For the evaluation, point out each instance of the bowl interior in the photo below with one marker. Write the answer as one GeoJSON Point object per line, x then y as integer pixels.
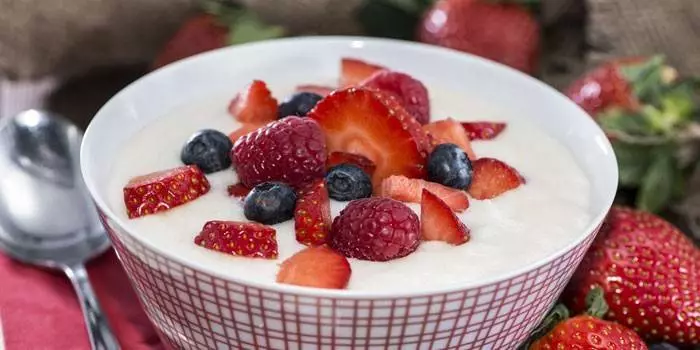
{"type": "Point", "coordinates": [491, 88]}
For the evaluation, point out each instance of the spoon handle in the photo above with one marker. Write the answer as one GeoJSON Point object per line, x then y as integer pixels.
{"type": "Point", "coordinates": [101, 336]}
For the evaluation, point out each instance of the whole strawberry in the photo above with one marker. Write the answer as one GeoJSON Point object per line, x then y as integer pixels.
{"type": "Point", "coordinates": [613, 84]}
{"type": "Point", "coordinates": [291, 150]}
{"type": "Point", "coordinates": [506, 33]}
{"type": "Point", "coordinates": [218, 26]}
{"type": "Point", "coordinates": [585, 331]}
{"type": "Point", "coordinates": [650, 273]}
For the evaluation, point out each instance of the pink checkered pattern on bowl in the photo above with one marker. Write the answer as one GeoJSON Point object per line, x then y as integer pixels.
{"type": "Point", "coordinates": [195, 310]}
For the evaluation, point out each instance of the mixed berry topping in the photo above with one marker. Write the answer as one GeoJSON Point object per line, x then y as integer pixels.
{"type": "Point", "coordinates": [369, 143]}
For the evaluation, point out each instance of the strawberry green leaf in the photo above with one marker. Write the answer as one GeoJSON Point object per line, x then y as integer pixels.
{"type": "Point", "coordinates": [617, 120]}
{"type": "Point", "coordinates": [646, 78]}
{"type": "Point", "coordinates": [248, 28]}
{"type": "Point", "coordinates": [658, 184]}
{"type": "Point", "coordinates": [632, 161]}
{"type": "Point", "coordinates": [557, 314]}
{"type": "Point", "coordinates": [595, 303]}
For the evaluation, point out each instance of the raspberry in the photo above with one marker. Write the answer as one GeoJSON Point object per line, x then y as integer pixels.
{"type": "Point", "coordinates": [291, 150]}
{"type": "Point", "coordinates": [375, 229]}
{"type": "Point", "coordinates": [411, 93]}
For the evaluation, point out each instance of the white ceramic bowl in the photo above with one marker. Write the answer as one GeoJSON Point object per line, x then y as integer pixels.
{"type": "Point", "coordinates": [194, 308]}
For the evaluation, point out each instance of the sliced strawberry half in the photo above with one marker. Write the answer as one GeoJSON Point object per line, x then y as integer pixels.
{"type": "Point", "coordinates": [247, 239]}
{"type": "Point", "coordinates": [316, 89]}
{"type": "Point", "coordinates": [354, 71]}
{"type": "Point", "coordinates": [319, 267]}
{"type": "Point", "coordinates": [450, 131]}
{"type": "Point", "coordinates": [492, 177]}
{"type": "Point", "coordinates": [358, 121]}
{"type": "Point", "coordinates": [254, 104]}
{"type": "Point", "coordinates": [336, 158]}
{"type": "Point", "coordinates": [483, 130]}
{"type": "Point", "coordinates": [439, 223]}
{"type": "Point", "coordinates": [404, 189]}
{"type": "Point", "coordinates": [243, 130]}
{"type": "Point", "coordinates": [409, 123]}
{"type": "Point", "coordinates": [312, 214]}
{"type": "Point", "coordinates": [238, 190]}
{"type": "Point", "coordinates": [163, 190]}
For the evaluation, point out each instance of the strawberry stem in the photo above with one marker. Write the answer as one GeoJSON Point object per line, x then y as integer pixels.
{"type": "Point", "coordinates": [557, 314]}
{"type": "Point", "coordinates": [595, 303]}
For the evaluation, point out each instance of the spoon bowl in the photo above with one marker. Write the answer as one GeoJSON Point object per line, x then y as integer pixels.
{"type": "Point", "coordinates": [46, 215]}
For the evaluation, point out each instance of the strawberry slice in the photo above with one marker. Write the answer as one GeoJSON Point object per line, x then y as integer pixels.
{"type": "Point", "coordinates": [254, 105]}
{"type": "Point", "coordinates": [492, 177]}
{"type": "Point", "coordinates": [439, 223]}
{"type": "Point", "coordinates": [312, 214]}
{"type": "Point", "coordinates": [354, 71]}
{"type": "Point", "coordinates": [483, 130]}
{"type": "Point", "coordinates": [316, 89]}
{"type": "Point", "coordinates": [409, 92]}
{"type": "Point", "coordinates": [409, 123]}
{"type": "Point", "coordinates": [247, 239]}
{"type": "Point", "coordinates": [450, 131]}
{"type": "Point", "coordinates": [319, 267]}
{"type": "Point", "coordinates": [358, 121]}
{"type": "Point", "coordinates": [163, 190]}
{"type": "Point", "coordinates": [244, 129]}
{"type": "Point", "coordinates": [404, 189]}
{"type": "Point", "coordinates": [238, 190]}
{"type": "Point", "coordinates": [336, 158]}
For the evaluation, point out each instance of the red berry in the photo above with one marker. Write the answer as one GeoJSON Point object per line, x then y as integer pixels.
{"type": "Point", "coordinates": [587, 332]}
{"type": "Point", "coordinates": [354, 71]}
{"type": "Point", "coordinates": [312, 214]}
{"type": "Point", "coordinates": [163, 190]}
{"type": "Point", "coordinates": [411, 93]}
{"type": "Point", "coordinates": [483, 130]}
{"type": "Point", "coordinates": [650, 274]}
{"type": "Point", "coordinates": [318, 267]}
{"type": "Point", "coordinates": [439, 223]}
{"type": "Point", "coordinates": [359, 121]}
{"type": "Point", "coordinates": [506, 33]}
{"type": "Point", "coordinates": [450, 131]}
{"type": "Point", "coordinates": [375, 229]}
{"type": "Point", "coordinates": [200, 33]}
{"type": "Point", "coordinates": [316, 89]}
{"type": "Point", "coordinates": [291, 150]}
{"type": "Point", "coordinates": [336, 158]}
{"type": "Point", "coordinates": [243, 130]}
{"type": "Point", "coordinates": [404, 189]}
{"type": "Point", "coordinates": [492, 177]}
{"type": "Point", "coordinates": [239, 238]}
{"type": "Point", "coordinates": [238, 190]}
{"type": "Point", "coordinates": [254, 105]}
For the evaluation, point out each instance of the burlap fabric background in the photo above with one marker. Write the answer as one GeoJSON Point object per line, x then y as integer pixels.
{"type": "Point", "coordinates": [66, 37]}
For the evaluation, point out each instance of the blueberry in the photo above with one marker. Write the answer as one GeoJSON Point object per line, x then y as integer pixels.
{"type": "Point", "coordinates": [450, 166]}
{"type": "Point", "coordinates": [347, 182]}
{"type": "Point", "coordinates": [270, 203]}
{"type": "Point", "coordinates": [209, 150]}
{"type": "Point", "coordinates": [662, 346]}
{"type": "Point", "coordinates": [298, 104]}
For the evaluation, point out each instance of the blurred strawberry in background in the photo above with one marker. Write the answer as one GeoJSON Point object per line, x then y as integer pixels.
{"type": "Point", "coordinates": [502, 31]}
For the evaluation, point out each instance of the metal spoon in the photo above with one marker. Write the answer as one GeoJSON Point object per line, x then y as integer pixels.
{"type": "Point", "coordinates": [46, 215]}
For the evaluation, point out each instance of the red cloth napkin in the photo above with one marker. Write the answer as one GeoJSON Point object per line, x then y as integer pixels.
{"type": "Point", "coordinates": [39, 309]}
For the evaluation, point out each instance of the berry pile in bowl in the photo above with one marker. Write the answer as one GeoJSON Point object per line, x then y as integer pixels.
{"type": "Point", "coordinates": [348, 176]}
{"type": "Point", "coordinates": [345, 186]}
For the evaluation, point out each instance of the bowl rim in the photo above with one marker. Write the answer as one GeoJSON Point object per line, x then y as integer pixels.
{"type": "Point", "coordinates": [354, 41]}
